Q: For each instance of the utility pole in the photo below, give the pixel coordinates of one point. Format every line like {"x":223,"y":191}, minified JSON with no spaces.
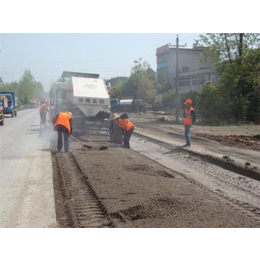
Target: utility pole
{"x":138,"y":83}
{"x":177,"y":78}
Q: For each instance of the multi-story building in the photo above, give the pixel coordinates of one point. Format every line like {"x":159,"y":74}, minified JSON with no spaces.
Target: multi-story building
{"x":194,"y":68}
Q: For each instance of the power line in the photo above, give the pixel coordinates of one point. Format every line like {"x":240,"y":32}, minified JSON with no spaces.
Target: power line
{"x":189,"y":37}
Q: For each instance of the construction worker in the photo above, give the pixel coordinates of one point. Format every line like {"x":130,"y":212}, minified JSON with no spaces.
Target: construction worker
{"x":189,"y":120}
{"x":126,"y":125}
{"x":62,"y":123}
{"x":43,"y":111}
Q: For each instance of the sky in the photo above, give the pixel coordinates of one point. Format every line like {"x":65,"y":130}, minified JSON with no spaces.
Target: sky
{"x":104,"y":37}
{"x":110,"y":55}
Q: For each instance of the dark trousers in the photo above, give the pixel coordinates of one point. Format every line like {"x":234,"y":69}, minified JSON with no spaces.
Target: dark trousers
{"x":61,"y":130}
{"x":127,"y":137}
{"x":187,"y":134}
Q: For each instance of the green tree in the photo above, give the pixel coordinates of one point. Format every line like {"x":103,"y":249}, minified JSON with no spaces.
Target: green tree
{"x":28,"y":87}
{"x":117,"y":85}
{"x":164,"y":85}
{"x":141,"y":83}
{"x":237,"y":59}
{"x":168,"y":99}
{"x":212,"y":106}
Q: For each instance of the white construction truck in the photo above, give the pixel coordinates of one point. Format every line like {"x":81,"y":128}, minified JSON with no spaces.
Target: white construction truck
{"x":86,"y":96}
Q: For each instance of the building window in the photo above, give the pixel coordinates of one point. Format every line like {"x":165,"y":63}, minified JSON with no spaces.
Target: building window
{"x":183,"y":83}
{"x":185,"y":69}
{"x":163,"y":64}
{"x":198,"y":81}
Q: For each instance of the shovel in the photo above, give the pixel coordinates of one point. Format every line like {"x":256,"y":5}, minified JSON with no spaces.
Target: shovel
{"x":84,"y":145}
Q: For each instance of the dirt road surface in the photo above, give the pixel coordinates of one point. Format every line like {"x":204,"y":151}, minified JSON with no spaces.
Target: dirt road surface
{"x":139,"y":192}
{"x":239,"y":145}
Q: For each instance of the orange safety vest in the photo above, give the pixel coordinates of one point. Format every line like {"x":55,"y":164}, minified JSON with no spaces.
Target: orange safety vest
{"x":188,"y":118}
{"x":63,"y":119}
{"x":125,"y":124}
{"x":42,"y":108}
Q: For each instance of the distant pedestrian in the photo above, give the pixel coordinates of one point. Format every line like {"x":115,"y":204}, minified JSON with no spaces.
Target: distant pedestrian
{"x":126,"y":125}
{"x":62,"y":123}
{"x":43,"y":111}
{"x":189,"y":120}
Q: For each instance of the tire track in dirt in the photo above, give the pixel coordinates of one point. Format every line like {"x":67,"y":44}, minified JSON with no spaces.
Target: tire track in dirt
{"x":80,"y":207}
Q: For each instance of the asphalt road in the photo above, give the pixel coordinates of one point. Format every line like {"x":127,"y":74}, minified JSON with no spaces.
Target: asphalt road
{"x":26,"y":186}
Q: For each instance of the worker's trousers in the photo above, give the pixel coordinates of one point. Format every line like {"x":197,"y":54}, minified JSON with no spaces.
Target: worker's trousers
{"x":61,"y":130}
{"x":43,"y":118}
{"x":187,"y":134}
{"x":127,"y":137}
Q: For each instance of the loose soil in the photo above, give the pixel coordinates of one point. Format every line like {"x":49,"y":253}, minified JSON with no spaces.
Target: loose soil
{"x":141,"y":193}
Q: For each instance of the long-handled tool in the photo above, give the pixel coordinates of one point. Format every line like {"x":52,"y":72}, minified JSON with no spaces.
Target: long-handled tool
{"x":84,"y":145}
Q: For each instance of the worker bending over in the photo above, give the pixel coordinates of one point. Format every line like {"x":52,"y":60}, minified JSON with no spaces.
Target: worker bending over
{"x":62,"y":123}
{"x":43,"y":111}
{"x":126,"y":125}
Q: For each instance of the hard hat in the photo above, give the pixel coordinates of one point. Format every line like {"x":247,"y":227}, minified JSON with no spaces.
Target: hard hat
{"x":188,"y":101}
{"x":115,"y":116}
{"x":69,"y":113}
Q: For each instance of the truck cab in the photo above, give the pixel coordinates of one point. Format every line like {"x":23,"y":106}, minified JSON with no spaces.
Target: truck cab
{"x":12,"y":103}
{"x":114,"y":104}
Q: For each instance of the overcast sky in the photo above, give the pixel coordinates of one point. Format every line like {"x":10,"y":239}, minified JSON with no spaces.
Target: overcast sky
{"x":107,"y":54}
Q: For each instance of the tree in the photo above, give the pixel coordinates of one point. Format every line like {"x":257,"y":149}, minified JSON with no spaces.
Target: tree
{"x":116,"y":86}
{"x":141,"y":83}
{"x":28,"y":87}
{"x":237,"y":59}
{"x":212,"y":106}
{"x":168,"y":98}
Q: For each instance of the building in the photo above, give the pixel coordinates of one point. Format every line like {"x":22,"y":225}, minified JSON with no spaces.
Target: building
{"x":194,"y":68}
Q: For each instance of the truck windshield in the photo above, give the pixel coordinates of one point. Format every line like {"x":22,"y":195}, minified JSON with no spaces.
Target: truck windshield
{"x":9,"y":97}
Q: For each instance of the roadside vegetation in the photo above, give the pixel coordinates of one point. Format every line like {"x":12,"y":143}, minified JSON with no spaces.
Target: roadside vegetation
{"x":26,"y":89}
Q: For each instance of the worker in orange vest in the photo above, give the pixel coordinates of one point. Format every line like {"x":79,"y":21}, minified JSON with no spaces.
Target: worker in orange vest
{"x":43,"y":111}
{"x":62,"y":123}
{"x":126,"y":125}
{"x":189,"y":120}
